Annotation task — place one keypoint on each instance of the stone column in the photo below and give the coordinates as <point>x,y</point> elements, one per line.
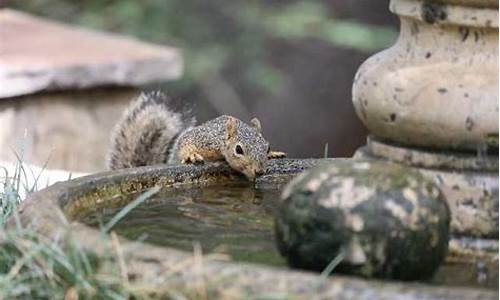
<point>437,87</point>
<point>431,102</point>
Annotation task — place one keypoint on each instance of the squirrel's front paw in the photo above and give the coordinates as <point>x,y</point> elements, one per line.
<point>276,154</point>
<point>194,158</point>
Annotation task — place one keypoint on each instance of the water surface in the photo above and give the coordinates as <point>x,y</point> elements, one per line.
<point>234,219</point>
<point>238,220</point>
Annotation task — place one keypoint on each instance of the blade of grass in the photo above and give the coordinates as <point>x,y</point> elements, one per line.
<point>129,207</point>
<point>34,187</point>
<point>333,264</point>
<point>19,169</point>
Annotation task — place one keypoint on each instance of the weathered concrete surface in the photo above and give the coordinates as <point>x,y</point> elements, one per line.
<point>390,221</point>
<point>473,201</point>
<point>438,85</point>
<point>441,159</point>
<point>38,54</point>
<point>165,269</point>
<point>67,130</point>
<point>472,3</point>
<point>481,255</point>
<point>468,182</point>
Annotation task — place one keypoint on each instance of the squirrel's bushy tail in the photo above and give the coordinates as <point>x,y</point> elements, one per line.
<point>146,132</point>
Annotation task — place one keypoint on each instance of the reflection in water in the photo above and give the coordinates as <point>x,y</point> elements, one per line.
<point>236,220</point>
<point>478,272</point>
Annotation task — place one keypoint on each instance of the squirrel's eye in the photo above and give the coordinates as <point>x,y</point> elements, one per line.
<point>238,150</point>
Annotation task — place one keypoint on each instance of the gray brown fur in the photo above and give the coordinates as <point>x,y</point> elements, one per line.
<point>144,133</point>
<point>212,135</point>
<point>151,133</point>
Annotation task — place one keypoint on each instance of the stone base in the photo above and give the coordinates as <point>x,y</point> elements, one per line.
<point>65,130</point>
<point>469,183</point>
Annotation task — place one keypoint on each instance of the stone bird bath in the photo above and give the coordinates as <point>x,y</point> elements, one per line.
<point>55,212</point>
<point>431,104</point>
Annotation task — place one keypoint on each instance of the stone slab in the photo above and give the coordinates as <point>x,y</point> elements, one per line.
<point>66,130</point>
<point>38,54</point>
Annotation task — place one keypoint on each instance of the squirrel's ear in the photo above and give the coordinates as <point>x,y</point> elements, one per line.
<point>256,123</point>
<point>230,128</point>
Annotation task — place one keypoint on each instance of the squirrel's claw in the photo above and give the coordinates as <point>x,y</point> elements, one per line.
<point>276,154</point>
<point>194,158</point>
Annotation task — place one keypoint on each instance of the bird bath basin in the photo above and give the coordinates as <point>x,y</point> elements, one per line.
<point>220,211</point>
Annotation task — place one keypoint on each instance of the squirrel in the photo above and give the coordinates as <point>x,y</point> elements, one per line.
<point>150,132</point>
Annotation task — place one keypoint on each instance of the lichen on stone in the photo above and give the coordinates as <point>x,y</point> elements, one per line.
<point>391,221</point>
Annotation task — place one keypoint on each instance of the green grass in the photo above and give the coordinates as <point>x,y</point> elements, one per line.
<point>33,266</point>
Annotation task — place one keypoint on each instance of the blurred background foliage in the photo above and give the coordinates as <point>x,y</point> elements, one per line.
<point>249,57</point>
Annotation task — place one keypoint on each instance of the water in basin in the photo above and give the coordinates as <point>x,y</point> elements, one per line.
<point>236,220</point>
<point>232,219</point>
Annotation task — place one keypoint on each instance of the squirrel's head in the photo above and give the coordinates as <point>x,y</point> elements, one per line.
<point>245,148</point>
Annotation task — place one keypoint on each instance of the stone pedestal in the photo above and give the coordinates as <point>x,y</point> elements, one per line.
<point>468,183</point>
<point>62,88</point>
<point>431,103</point>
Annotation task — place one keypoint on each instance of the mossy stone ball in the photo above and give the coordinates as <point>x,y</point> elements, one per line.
<point>386,220</point>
